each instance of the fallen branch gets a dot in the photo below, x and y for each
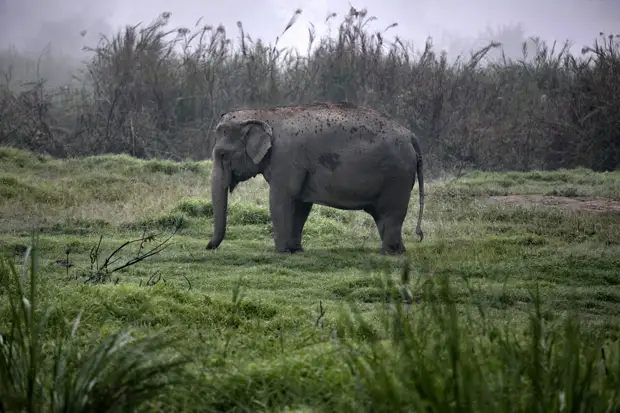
(101, 273)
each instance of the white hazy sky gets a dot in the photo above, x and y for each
(33, 23)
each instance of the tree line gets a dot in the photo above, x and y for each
(157, 92)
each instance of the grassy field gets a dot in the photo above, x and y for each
(482, 325)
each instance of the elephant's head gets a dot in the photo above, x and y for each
(239, 153)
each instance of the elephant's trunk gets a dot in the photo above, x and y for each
(220, 182)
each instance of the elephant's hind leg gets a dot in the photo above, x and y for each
(389, 213)
(302, 210)
(392, 242)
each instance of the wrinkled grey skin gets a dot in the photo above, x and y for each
(339, 155)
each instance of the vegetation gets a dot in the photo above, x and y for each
(504, 307)
(156, 92)
(113, 374)
(509, 304)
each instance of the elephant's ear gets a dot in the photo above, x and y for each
(257, 139)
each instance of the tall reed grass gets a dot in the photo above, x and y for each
(153, 91)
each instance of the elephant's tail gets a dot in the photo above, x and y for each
(420, 173)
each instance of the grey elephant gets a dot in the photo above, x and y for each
(339, 155)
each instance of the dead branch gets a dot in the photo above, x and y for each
(101, 273)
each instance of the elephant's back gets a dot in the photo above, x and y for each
(339, 121)
(344, 126)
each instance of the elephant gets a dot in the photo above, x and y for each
(339, 155)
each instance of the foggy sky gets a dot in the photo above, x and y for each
(31, 24)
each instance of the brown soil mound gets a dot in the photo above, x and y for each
(570, 204)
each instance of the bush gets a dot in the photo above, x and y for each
(438, 356)
(147, 94)
(115, 373)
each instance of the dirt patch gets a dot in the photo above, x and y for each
(569, 204)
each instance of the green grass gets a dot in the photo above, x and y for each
(509, 306)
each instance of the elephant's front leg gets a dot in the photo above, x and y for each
(282, 208)
(302, 210)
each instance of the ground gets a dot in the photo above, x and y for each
(274, 348)
(577, 204)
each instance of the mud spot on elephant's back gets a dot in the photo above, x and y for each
(582, 204)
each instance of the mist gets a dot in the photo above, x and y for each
(56, 34)
(66, 26)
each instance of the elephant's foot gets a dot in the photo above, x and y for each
(291, 250)
(394, 249)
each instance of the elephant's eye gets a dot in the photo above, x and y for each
(219, 153)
